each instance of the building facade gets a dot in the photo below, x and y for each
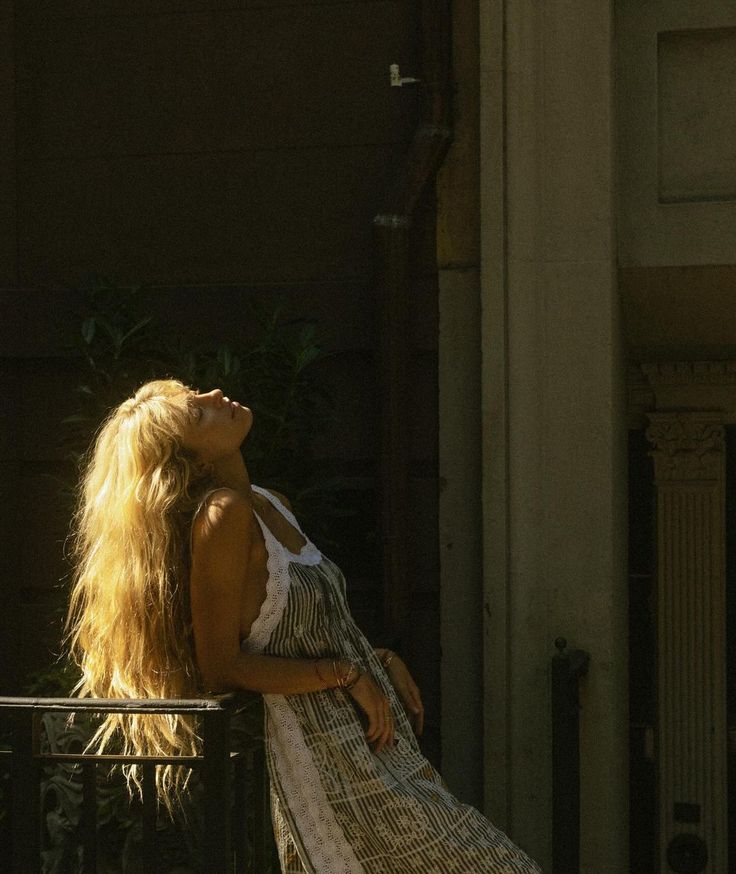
(592, 399)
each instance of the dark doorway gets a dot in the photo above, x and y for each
(731, 631)
(642, 657)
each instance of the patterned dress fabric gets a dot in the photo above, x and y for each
(336, 806)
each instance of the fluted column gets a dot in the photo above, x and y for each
(689, 460)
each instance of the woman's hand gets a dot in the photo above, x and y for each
(408, 691)
(376, 705)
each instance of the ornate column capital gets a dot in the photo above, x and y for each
(687, 445)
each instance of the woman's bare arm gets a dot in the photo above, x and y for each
(221, 542)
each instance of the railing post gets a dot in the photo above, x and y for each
(567, 668)
(26, 794)
(216, 777)
(238, 823)
(89, 818)
(262, 811)
(149, 814)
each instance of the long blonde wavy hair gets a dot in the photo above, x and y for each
(129, 623)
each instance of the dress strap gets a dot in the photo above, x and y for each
(281, 507)
(309, 554)
(277, 584)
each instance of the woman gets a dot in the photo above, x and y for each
(189, 577)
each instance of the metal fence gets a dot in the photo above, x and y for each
(236, 834)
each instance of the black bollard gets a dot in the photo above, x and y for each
(567, 668)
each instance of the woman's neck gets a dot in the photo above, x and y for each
(232, 472)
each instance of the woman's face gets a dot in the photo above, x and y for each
(218, 426)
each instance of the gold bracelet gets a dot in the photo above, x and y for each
(343, 680)
(348, 683)
(316, 662)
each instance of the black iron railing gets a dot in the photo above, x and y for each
(567, 669)
(225, 775)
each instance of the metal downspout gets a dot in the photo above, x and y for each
(391, 236)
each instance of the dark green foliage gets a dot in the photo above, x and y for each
(275, 369)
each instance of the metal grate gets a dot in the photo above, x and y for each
(224, 775)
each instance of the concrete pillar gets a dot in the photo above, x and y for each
(553, 417)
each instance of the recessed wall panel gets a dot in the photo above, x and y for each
(696, 97)
(675, 132)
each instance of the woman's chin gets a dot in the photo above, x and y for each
(247, 415)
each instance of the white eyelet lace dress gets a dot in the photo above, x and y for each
(336, 806)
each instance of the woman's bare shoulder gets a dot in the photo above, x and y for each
(223, 510)
(284, 500)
